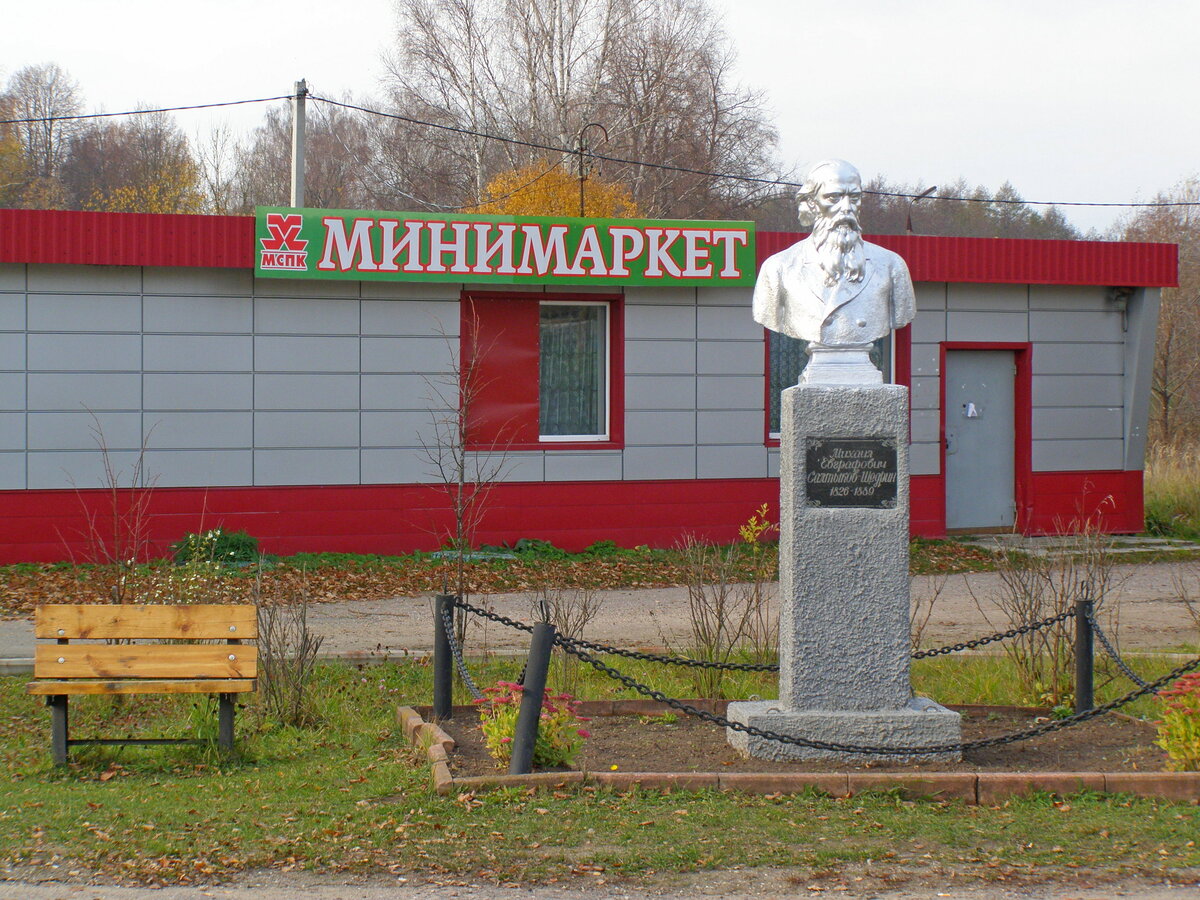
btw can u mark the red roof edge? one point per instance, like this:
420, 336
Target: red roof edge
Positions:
148, 239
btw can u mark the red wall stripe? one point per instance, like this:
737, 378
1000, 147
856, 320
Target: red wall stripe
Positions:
47, 526
144, 239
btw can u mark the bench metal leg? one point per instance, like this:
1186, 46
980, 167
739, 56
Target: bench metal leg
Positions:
225, 722
58, 728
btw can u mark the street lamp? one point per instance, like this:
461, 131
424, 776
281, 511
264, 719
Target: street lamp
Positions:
582, 148
921, 196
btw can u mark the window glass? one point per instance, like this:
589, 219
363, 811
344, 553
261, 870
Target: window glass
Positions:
788, 357
572, 371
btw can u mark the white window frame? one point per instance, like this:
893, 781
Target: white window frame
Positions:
606, 351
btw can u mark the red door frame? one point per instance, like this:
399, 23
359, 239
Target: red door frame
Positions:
1022, 423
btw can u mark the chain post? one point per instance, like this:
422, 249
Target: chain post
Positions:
443, 688
1084, 657
540, 647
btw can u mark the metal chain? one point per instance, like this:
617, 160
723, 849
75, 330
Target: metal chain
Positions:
495, 617
678, 660
1112, 651
1002, 636
571, 646
456, 651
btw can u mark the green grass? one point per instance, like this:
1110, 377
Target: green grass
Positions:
350, 795
1172, 491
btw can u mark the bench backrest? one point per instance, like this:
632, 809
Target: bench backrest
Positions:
66, 622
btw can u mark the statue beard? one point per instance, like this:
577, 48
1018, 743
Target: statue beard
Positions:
839, 247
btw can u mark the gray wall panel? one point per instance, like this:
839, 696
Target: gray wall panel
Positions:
1078, 359
305, 429
12, 471
660, 357
929, 327
731, 427
198, 392
339, 392
291, 316
1077, 326
408, 354
197, 353
83, 469
298, 289
306, 354
1077, 390
12, 351
411, 317
12, 431
731, 392
402, 428
726, 296
1077, 456
987, 326
395, 466
320, 466
201, 282
1068, 297
85, 279
644, 322
85, 431
404, 391
926, 425
925, 393
924, 459
660, 392
12, 312
988, 297
85, 313
216, 315
200, 468
659, 463
673, 296
772, 462
1078, 424
521, 466
12, 276
926, 360
723, 323
659, 427
12, 390
583, 466
731, 462
440, 292
199, 430
931, 295
85, 352
74, 392
730, 357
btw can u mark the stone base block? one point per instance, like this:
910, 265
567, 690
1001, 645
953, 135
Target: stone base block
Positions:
922, 723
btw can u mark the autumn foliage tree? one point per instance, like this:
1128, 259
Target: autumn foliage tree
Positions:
545, 188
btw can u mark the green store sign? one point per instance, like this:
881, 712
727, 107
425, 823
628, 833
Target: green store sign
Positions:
381, 246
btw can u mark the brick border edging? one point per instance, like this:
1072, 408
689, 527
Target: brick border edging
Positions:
976, 788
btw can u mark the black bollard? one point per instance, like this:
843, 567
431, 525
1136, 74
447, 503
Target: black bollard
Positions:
536, 669
1084, 650
443, 664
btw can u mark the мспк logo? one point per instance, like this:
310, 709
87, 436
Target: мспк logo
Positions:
284, 249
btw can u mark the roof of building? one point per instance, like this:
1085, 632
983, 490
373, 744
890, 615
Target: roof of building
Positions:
148, 239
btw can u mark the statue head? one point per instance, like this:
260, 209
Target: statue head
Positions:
832, 194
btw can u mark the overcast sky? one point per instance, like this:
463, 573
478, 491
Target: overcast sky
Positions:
1071, 100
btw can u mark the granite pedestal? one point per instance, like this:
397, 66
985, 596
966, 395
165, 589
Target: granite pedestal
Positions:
844, 640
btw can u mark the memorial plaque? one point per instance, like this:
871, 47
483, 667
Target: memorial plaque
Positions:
851, 472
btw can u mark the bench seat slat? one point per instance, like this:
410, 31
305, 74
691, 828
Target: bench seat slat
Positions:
144, 686
199, 621
145, 661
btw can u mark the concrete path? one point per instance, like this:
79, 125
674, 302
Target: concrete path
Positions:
1145, 598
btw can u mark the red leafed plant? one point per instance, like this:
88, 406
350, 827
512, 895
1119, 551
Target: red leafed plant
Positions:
560, 733
1179, 727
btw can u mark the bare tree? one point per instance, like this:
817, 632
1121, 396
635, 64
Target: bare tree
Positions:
44, 92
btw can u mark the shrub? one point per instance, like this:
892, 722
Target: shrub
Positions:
216, 545
1179, 728
559, 737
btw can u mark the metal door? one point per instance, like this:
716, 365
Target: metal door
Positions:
980, 439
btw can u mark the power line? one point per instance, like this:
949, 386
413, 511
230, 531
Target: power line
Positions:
550, 148
140, 112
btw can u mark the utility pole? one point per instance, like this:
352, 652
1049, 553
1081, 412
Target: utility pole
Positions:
298, 143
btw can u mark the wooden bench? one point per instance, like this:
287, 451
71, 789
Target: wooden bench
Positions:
146, 667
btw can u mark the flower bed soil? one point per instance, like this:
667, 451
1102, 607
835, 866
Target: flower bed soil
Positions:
648, 743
